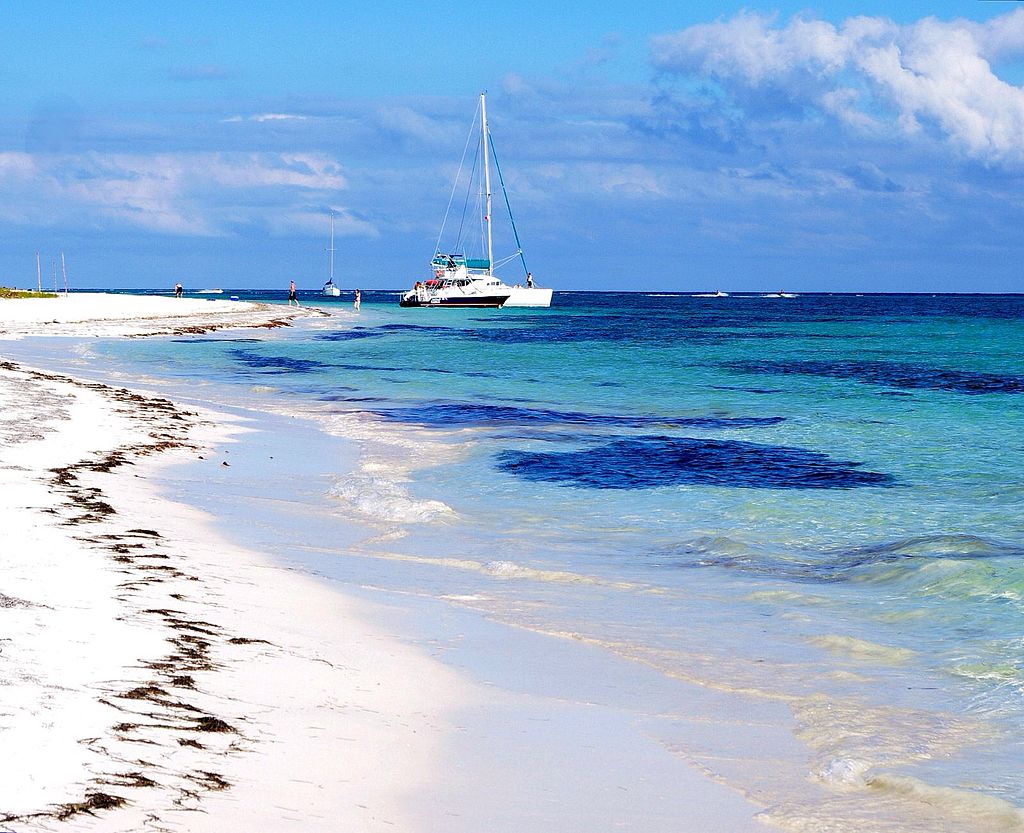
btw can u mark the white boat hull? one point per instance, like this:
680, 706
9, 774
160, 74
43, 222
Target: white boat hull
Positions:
332, 291
524, 296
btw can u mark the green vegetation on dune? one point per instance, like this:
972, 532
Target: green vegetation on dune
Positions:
5, 292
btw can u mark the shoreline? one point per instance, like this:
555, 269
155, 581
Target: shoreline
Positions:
111, 315
365, 726
217, 654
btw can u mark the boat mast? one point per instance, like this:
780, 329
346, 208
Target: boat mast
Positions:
331, 250
487, 182
39, 275
64, 273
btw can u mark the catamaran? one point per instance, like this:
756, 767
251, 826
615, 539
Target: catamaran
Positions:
462, 281
329, 288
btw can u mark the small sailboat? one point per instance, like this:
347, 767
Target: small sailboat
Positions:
461, 281
329, 288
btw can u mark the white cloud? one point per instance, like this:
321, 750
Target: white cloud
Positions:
204, 194
407, 124
548, 182
870, 73
264, 117
276, 117
1002, 37
248, 170
16, 165
749, 47
314, 221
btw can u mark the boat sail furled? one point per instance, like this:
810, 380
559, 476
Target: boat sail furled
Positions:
329, 288
462, 281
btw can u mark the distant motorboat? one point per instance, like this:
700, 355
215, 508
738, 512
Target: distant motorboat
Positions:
210, 292
330, 290
716, 294
780, 294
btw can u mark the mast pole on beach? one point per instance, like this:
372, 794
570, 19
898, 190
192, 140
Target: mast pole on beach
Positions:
64, 273
39, 275
487, 181
53, 264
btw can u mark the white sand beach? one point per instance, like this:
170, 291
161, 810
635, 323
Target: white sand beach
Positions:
155, 676
109, 314
146, 661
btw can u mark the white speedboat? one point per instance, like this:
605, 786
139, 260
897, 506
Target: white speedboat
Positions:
462, 281
716, 294
330, 290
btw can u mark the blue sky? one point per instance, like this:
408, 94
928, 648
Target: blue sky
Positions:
850, 147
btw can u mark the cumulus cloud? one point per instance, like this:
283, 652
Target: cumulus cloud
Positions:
868, 73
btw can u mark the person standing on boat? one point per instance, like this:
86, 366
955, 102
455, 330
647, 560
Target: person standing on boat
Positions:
356, 300
291, 294
177, 290
529, 280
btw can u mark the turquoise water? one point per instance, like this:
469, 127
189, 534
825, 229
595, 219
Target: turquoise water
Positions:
812, 502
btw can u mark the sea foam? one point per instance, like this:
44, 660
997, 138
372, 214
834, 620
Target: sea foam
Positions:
381, 499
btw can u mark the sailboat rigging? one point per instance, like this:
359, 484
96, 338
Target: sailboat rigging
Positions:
462, 281
329, 288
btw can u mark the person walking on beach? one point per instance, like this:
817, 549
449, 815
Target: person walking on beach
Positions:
291, 294
177, 290
355, 302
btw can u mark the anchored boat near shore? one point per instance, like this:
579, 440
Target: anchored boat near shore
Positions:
462, 281
330, 290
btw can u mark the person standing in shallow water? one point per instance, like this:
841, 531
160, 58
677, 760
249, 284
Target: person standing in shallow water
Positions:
177, 290
291, 294
356, 300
